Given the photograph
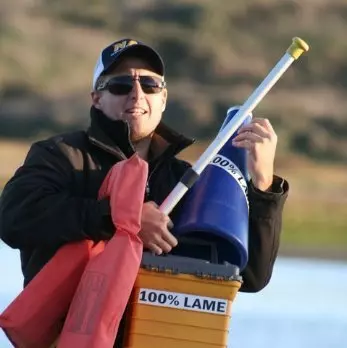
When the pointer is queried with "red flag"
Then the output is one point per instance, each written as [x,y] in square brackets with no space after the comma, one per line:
[36,316]
[108,280]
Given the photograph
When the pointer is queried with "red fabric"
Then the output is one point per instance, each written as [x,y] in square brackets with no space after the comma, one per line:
[108,280]
[36,316]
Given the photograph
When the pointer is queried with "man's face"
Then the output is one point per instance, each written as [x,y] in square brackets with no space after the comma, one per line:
[142,111]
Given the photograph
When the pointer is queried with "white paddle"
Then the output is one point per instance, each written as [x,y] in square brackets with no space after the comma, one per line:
[295,50]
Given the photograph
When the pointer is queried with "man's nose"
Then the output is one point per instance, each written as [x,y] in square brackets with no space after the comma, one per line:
[136,92]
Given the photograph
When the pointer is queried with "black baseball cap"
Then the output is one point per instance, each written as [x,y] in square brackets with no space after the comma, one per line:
[119,49]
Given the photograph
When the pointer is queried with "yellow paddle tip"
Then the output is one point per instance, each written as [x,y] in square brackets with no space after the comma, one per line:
[297,48]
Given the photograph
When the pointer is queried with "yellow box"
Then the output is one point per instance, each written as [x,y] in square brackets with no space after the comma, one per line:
[181,302]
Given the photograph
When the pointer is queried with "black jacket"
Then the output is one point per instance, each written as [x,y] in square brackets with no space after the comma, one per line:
[52,199]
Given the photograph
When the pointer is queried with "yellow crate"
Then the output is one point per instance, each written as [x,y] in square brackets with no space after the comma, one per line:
[180,302]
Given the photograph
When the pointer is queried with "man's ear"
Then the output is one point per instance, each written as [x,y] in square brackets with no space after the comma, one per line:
[96,99]
[164,100]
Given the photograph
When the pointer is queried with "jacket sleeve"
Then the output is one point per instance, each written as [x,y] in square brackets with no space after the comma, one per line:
[37,208]
[265,223]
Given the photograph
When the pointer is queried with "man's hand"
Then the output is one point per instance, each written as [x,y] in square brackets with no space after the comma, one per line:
[154,229]
[260,139]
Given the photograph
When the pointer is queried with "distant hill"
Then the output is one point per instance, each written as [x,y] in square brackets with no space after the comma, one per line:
[217,52]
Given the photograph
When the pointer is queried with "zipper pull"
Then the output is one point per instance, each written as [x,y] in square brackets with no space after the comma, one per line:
[147,189]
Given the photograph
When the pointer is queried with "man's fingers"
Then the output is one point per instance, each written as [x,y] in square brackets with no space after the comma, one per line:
[159,244]
[170,238]
[164,246]
[170,225]
[154,248]
[249,136]
[255,128]
[265,123]
[245,144]
[152,203]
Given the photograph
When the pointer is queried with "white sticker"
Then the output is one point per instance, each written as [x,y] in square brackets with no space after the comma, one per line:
[184,301]
[231,168]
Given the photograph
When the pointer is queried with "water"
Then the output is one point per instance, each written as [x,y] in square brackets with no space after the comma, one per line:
[304,306]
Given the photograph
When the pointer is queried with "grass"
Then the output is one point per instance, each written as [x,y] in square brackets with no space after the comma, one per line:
[316,223]
[315,227]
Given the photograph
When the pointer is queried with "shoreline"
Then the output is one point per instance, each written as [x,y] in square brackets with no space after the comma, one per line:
[291,251]
[319,253]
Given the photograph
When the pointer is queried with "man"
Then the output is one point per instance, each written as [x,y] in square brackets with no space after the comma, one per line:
[52,199]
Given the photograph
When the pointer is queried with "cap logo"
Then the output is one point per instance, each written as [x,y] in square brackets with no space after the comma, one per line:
[121,45]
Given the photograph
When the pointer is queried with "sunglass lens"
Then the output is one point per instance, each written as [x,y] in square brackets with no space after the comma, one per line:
[120,88]
[148,89]
[151,84]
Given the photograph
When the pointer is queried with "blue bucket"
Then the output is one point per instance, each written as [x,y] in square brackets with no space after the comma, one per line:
[216,208]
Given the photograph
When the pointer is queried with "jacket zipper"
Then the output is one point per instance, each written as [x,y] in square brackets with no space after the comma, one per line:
[160,161]
[148,190]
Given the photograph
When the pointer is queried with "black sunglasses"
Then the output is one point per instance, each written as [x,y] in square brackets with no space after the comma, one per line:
[122,85]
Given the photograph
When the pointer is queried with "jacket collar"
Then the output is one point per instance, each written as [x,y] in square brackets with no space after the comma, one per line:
[164,139]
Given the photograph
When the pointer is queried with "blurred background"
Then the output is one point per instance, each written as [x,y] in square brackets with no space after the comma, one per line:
[216,53]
